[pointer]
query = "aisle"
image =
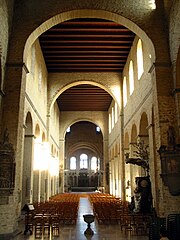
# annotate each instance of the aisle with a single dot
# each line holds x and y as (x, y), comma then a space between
(84, 208)
(76, 232)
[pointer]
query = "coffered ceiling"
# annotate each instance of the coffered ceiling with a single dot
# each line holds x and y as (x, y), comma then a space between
(86, 45)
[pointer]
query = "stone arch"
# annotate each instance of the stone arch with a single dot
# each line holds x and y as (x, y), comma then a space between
(85, 13)
(88, 14)
(37, 131)
(92, 147)
(143, 124)
(134, 134)
(60, 86)
(80, 119)
(28, 124)
(126, 140)
(43, 137)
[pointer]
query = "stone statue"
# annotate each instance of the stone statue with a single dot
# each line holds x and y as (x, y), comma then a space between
(171, 137)
(5, 144)
(6, 136)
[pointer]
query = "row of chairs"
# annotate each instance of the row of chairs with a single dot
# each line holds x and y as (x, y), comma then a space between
(43, 224)
(47, 217)
(111, 210)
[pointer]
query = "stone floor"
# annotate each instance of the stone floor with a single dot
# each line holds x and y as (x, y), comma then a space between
(76, 232)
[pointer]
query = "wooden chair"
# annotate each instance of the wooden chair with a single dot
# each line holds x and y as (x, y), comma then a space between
(55, 226)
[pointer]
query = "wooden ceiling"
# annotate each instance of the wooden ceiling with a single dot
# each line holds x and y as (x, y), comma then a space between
(86, 45)
(84, 97)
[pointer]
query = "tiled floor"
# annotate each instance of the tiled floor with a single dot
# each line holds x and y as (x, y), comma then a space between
(76, 232)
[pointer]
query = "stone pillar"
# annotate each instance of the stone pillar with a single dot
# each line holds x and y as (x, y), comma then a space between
(116, 172)
(43, 177)
(113, 176)
(36, 185)
(153, 167)
(27, 182)
(164, 116)
(110, 177)
(104, 164)
(61, 162)
(12, 119)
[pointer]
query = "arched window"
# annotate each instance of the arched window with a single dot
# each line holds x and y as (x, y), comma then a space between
(33, 57)
(131, 77)
(98, 129)
(112, 114)
(109, 123)
(124, 91)
(94, 163)
(83, 161)
(140, 59)
(68, 130)
(72, 163)
(115, 112)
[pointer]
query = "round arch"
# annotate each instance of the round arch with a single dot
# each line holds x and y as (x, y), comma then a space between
(143, 124)
(92, 147)
(57, 89)
(29, 123)
(88, 14)
(80, 119)
(134, 134)
(126, 141)
(37, 131)
(85, 13)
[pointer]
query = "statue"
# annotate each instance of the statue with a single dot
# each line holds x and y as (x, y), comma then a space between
(7, 165)
(5, 144)
(6, 136)
(171, 137)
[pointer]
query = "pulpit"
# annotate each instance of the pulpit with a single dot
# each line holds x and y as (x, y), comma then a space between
(28, 209)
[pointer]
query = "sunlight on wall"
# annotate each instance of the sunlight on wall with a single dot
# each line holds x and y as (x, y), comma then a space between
(117, 93)
(124, 91)
(109, 123)
(45, 156)
(131, 78)
(54, 167)
(43, 160)
(112, 117)
(37, 154)
(115, 112)
(152, 4)
(94, 163)
(140, 59)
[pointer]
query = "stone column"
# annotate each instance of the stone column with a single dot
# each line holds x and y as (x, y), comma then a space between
(164, 116)
(12, 119)
(61, 162)
(27, 182)
(36, 185)
(104, 162)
